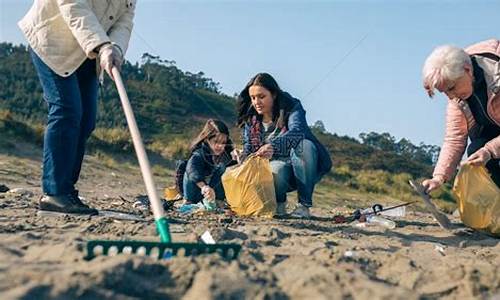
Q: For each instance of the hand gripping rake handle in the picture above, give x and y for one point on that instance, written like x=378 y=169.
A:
x=160 y=220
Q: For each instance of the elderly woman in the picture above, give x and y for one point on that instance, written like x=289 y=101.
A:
x=470 y=79
x=68 y=39
x=274 y=127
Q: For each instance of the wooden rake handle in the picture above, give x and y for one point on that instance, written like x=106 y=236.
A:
x=147 y=175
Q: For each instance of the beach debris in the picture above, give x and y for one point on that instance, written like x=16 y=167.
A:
x=172 y=194
x=191 y=208
x=113 y=214
x=141 y=203
x=380 y=221
x=398 y=212
x=362 y=215
x=4 y=188
x=350 y=253
x=207 y=238
x=21 y=191
x=210 y=205
x=440 y=248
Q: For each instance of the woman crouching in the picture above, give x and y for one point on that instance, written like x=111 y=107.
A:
x=275 y=127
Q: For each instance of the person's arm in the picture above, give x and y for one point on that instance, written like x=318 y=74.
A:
x=454 y=144
x=247 y=145
x=84 y=25
x=297 y=125
x=194 y=169
x=493 y=147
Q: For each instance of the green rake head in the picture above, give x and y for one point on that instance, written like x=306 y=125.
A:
x=158 y=249
x=161 y=250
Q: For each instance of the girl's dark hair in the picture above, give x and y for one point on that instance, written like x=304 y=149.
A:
x=245 y=109
x=210 y=130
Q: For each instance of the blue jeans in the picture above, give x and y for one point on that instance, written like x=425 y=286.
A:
x=192 y=192
x=298 y=172
x=71 y=119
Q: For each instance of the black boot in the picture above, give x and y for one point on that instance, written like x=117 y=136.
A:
x=69 y=204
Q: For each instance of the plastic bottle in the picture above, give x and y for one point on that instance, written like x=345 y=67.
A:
x=210 y=205
x=397 y=212
x=378 y=220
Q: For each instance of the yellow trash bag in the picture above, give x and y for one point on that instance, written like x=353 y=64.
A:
x=478 y=199
x=249 y=188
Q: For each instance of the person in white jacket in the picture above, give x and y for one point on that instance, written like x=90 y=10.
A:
x=68 y=41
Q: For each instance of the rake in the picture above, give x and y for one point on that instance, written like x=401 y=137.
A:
x=165 y=248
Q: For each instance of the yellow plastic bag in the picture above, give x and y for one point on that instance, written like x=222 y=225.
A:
x=478 y=199
x=249 y=188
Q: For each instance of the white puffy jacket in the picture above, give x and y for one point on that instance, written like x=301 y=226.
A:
x=64 y=33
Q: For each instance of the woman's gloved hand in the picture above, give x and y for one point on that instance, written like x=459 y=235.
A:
x=110 y=55
x=433 y=183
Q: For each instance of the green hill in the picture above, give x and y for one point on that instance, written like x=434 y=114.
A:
x=171 y=106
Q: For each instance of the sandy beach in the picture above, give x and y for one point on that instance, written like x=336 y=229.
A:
x=42 y=257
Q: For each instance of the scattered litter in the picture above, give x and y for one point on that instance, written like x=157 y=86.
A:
x=171 y=194
x=397 y=212
x=21 y=192
x=380 y=221
x=120 y=215
x=210 y=205
x=141 y=203
x=102 y=213
x=350 y=253
x=207 y=238
x=3 y=188
x=191 y=208
x=440 y=248
x=360 y=224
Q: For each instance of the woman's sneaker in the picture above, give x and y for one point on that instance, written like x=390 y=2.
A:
x=280 y=209
x=301 y=211
x=69 y=204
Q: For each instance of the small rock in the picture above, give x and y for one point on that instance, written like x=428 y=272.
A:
x=462 y=244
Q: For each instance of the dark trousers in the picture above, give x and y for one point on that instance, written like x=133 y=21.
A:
x=493 y=165
x=72 y=103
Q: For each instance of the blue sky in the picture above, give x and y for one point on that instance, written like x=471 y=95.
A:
x=356 y=65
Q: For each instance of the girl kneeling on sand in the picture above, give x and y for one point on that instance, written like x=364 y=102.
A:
x=274 y=126
x=210 y=155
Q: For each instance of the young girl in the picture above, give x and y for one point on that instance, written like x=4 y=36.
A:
x=274 y=126
x=210 y=155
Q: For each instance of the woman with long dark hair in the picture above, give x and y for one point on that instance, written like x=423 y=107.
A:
x=210 y=154
x=274 y=126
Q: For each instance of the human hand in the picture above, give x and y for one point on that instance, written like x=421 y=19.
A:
x=266 y=151
x=478 y=158
x=432 y=184
x=110 y=56
x=208 y=192
x=236 y=155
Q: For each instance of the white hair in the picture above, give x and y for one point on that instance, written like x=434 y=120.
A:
x=445 y=63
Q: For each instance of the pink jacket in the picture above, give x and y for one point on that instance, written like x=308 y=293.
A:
x=458 y=126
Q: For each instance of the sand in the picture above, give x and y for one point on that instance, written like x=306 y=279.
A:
x=43 y=257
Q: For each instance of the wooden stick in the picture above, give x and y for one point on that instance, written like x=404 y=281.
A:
x=443 y=221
